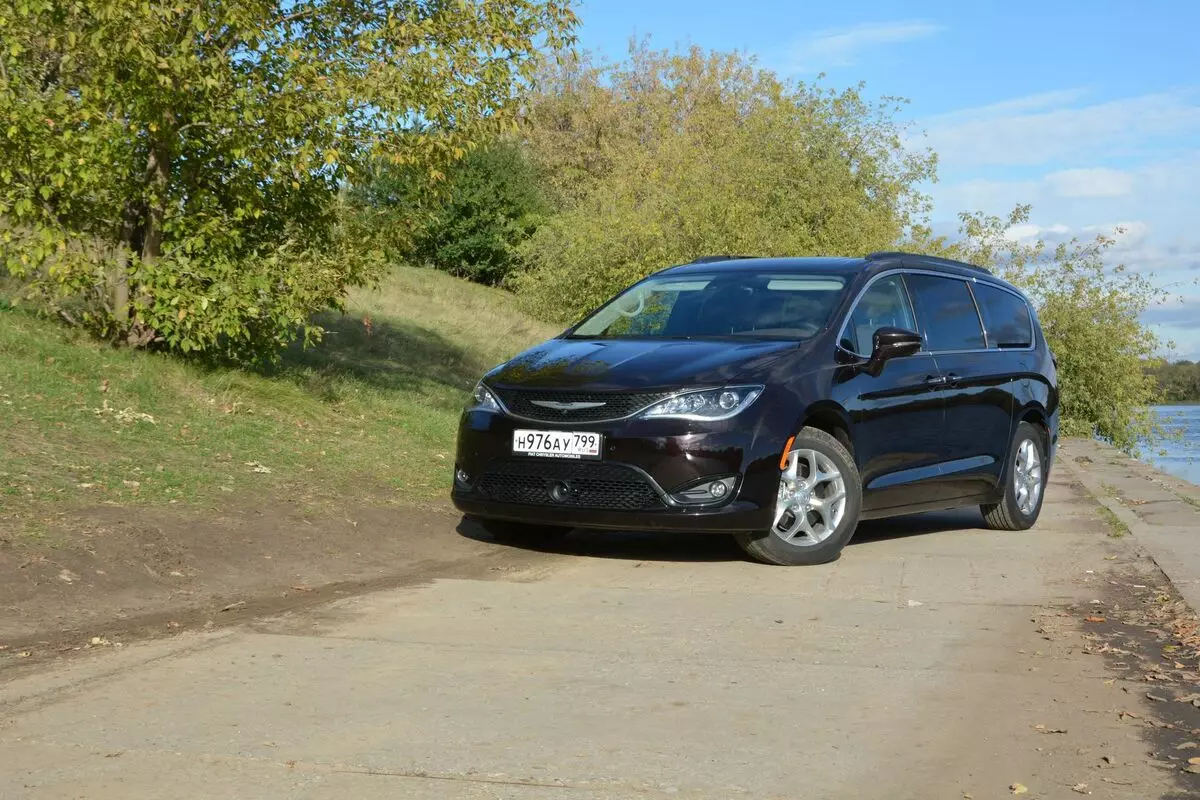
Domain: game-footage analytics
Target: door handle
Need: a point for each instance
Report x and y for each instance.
(936, 380)
(953, 379)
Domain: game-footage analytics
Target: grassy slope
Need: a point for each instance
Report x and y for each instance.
(371, 413)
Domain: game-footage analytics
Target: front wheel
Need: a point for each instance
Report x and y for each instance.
(817, 506)
(1024, 483)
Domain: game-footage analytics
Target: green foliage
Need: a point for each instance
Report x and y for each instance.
(153, 153)
(1180, 381)
(674, 155)
(1090, 313)
(470, 223)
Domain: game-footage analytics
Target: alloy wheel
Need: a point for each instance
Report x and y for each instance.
(811, 501)
(1027, 477)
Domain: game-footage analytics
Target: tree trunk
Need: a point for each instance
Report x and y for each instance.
(158, 175)
(125, 246)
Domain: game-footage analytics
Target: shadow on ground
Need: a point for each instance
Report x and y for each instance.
(387, 355)
(689, 547)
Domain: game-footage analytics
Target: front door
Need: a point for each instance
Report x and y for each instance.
(898, 414)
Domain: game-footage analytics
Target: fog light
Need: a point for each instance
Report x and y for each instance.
(461, 477)
(706, 492)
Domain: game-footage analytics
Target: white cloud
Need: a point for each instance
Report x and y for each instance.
(1029, 232)
(1050, 126)
(842, 48)
(1095, 182)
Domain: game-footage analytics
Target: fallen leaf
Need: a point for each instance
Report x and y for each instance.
(1094, 619)
(1018, 788)
(914, 603)
(24, 654)
(1187, 746)
(104, 384)
(66, 576)
(302, 588)
(1044, 729)
(232, 606)
(1194, 760)
(1155, 697)
(1082, 788)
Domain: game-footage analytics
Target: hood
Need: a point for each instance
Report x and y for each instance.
(628, 364)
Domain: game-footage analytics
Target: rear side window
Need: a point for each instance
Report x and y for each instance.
(1005, 317)
(946, 312)
(883, 304)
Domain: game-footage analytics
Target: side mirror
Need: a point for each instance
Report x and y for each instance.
(889, 343)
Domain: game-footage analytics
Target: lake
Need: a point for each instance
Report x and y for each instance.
(1181, 458)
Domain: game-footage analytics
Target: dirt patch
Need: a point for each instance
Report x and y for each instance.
(124, 573)
(1150, 639)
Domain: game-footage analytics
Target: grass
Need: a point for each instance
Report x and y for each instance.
(1116, 528)
(372, 411)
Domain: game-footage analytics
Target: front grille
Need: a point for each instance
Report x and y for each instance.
(576, 484)
(524, 403)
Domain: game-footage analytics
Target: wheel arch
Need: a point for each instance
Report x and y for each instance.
(1036, 415)
(830, 417)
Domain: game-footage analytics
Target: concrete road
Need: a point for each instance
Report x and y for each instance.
(917, 666)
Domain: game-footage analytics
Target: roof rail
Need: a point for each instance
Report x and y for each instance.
(920, 258)
(710, 259)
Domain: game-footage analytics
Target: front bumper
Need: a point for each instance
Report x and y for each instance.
(664, 455)
(735, 517)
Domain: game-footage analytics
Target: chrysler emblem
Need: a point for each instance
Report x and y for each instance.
(565, 407)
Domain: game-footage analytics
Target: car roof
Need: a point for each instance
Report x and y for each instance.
(875, 262)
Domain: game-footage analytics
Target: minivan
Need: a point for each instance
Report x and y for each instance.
(780, 400)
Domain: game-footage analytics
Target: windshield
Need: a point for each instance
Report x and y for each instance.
(750, 304)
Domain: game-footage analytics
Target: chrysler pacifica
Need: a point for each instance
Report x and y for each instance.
(780, 400)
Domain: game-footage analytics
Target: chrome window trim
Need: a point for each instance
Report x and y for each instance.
(969, 280)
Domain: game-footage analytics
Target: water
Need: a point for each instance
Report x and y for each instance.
(1180, 457)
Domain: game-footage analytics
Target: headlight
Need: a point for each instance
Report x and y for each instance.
(484, 399)
(709, 404)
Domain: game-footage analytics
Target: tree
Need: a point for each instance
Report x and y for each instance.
(172, 171)
(673, 155)
(1090, 313)
(471, 223)
(1179, 381)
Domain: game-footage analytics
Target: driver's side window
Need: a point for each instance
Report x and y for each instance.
(885, 304)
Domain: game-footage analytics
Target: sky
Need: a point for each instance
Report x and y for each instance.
(1089, 112)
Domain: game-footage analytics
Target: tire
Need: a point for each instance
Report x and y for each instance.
(1015, 512)
(774, 547)
(522, 534)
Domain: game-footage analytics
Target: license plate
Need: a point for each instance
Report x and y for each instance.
(557, 444)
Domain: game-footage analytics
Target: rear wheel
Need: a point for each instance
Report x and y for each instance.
(521, 533)
(817, 505)
(1024, 483)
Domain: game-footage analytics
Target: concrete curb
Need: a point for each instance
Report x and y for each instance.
(1182, 569)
